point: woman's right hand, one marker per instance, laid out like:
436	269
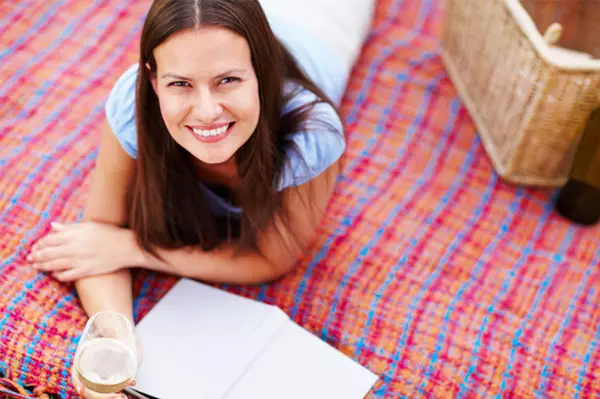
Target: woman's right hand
86	393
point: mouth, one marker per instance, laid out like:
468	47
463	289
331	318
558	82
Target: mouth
212	135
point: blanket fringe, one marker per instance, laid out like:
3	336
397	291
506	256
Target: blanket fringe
12	390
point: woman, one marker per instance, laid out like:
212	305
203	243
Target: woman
221	148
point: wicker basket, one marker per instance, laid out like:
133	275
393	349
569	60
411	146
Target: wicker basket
529	95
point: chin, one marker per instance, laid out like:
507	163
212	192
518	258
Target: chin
214	159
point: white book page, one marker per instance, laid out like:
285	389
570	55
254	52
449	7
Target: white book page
198	340
298	365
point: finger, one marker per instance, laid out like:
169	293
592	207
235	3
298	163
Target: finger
51	240
54	265
89	394
95	395
79	388
58	226
73	274
139	351
50	253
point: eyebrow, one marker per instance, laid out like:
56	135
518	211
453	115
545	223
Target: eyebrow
174	76
226	73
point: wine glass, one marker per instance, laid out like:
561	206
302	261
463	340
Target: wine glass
106	360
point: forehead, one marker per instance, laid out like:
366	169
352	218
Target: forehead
203	51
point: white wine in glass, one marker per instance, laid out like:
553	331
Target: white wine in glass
106	360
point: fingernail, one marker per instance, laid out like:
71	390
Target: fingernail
29	258
57	226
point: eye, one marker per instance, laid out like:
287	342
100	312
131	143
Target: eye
229	79
178	84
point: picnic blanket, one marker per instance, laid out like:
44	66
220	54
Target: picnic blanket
429	269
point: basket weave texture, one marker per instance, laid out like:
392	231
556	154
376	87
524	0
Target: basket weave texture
529	94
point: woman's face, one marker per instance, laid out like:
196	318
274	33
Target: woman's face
208	91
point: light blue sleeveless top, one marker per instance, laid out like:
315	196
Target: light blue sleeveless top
315	147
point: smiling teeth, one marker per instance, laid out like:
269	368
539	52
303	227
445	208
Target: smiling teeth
209	133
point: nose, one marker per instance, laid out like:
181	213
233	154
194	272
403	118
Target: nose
207	107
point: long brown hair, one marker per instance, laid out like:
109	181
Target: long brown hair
168	208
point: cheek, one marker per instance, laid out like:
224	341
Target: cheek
172	109
249	104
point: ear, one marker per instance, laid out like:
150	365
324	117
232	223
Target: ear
152	77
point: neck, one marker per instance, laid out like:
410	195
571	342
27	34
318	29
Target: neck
225	173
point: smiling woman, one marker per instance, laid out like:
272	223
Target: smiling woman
221	149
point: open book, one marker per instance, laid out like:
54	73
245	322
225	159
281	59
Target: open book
200	342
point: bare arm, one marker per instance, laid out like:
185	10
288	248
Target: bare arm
277	247
277	251
107	204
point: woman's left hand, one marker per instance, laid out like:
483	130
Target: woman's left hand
72	252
